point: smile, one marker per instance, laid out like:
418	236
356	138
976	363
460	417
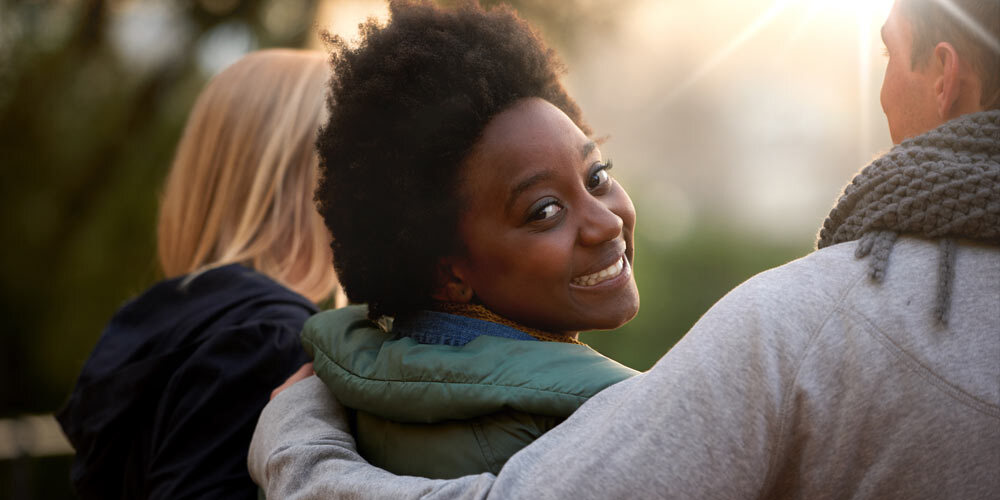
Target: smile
603	275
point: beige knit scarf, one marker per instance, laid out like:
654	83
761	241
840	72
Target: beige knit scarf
944	185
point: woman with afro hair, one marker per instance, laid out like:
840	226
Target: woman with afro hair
467	204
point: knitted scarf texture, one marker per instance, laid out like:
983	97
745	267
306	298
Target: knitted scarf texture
943	185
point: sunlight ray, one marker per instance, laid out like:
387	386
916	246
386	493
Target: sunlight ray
796	33
971	23
864	86
799	29
716	59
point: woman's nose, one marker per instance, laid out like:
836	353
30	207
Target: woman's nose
600	224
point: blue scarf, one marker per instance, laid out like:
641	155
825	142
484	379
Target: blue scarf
432	327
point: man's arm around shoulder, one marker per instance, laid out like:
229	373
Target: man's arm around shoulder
302	449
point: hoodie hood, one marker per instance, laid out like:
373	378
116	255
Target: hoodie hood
112	410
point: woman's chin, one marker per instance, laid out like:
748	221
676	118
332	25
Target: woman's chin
617	317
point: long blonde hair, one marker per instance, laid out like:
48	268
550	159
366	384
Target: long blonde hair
240	189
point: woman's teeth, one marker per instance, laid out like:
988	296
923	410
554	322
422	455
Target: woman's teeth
602	275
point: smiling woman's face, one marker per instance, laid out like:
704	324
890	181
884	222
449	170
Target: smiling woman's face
547	231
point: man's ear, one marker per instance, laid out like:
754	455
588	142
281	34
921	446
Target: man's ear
451	283
947	87
957	87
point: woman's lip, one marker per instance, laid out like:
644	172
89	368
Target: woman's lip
622	251
596	269
629	247
617	281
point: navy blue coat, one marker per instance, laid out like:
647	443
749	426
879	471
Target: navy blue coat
167	402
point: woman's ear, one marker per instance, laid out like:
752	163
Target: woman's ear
451	284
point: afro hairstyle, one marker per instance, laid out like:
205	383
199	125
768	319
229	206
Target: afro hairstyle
407	105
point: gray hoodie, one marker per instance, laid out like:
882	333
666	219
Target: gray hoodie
808	381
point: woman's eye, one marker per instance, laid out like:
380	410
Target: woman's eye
546	212
600	176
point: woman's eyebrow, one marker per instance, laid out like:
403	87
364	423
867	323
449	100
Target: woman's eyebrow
524	185
588	148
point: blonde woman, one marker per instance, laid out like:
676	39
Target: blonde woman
167	402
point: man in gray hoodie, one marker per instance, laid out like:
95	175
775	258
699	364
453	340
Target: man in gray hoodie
869	368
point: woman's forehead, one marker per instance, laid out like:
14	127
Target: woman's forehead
530	131
530	143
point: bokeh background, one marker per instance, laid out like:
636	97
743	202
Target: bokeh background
734	124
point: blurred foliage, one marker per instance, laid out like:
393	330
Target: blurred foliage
86	135
87	131
36	478
88	123
563	23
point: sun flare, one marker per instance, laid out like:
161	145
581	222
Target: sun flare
865	15
875	8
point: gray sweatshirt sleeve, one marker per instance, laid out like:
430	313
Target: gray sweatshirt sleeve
702	423
302	449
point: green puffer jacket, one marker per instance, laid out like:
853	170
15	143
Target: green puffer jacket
443	411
